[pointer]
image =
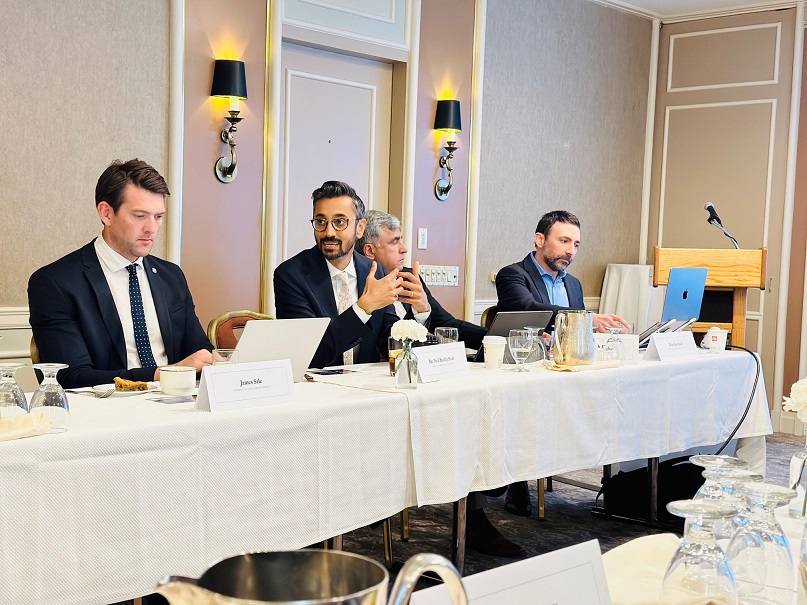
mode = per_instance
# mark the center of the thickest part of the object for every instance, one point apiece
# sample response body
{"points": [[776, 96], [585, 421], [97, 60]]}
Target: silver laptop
{"points": [[293, 339], [682, 302]]}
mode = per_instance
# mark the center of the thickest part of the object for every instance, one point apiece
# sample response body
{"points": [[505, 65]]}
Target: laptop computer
{"points": [[504, 321], [293, 339], [682, 302]]}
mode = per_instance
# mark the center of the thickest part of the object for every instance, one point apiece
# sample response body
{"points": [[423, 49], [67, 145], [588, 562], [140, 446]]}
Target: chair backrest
{"points": [[488, 315], [34, 351], [224, 330]]}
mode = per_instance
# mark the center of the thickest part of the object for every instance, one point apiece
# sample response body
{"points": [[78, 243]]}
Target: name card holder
{"points": [[238, 386], [441, 362], [671, 346], [569, 576]]}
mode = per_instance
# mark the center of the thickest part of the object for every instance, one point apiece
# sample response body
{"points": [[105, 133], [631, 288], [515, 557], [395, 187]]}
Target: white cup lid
{"points": [[494, 339]]}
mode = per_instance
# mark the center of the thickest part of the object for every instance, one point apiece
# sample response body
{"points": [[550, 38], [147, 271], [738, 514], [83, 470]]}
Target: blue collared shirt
{"points": [[555, 287]]}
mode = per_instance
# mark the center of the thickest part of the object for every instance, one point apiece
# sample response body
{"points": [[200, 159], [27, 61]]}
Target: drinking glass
{"points": [[12, 398], [520, 344], [395, 347], [446, 335], [759, 552], [224, 356], [49, 397], [699, 571], [801, 589], [538, 352], [614, 348], [723, 484]]}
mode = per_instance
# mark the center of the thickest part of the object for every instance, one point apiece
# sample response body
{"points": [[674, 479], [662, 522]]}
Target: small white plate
{"points": [[99, 389]]}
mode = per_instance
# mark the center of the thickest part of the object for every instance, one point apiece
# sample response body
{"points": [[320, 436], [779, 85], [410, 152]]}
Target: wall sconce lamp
{"points": [[447, 119], [229, 80]]}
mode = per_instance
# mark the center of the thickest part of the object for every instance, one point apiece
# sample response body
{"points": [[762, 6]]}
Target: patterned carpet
{"points": [[568, 519]]}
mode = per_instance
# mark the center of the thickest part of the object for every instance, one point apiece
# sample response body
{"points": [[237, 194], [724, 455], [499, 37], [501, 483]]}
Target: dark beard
{"points": [[340, 253], [559, 263]]}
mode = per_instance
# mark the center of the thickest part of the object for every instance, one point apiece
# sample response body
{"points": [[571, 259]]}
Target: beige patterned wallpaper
{"points": [[81, 83], [563, 127]]}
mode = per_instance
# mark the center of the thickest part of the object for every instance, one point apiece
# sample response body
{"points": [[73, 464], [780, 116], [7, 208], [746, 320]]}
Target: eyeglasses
{"points": [[321, 224]]}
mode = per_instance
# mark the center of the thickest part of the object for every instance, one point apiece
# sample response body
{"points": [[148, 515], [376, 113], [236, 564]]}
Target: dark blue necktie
{"points": [[141, 333]]}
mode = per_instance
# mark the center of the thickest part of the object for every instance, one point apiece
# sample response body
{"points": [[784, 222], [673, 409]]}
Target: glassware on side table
{"points": [[12, 398], [699, 571], [49, 398], [713, 461], [520, 344], [759, 552], [723, 484]]}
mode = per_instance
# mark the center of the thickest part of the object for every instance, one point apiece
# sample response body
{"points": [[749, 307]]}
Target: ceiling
{"points": [[679, 9]]}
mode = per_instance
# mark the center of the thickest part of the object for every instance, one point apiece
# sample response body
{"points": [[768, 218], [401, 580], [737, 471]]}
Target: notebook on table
{"points": [[682, 302], [293, 339]]}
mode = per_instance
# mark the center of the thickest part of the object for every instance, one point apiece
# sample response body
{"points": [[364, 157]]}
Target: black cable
{"points": [[750, 399]]}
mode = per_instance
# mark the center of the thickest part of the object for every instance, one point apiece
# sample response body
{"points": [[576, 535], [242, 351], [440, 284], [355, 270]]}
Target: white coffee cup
{"points": [[494, 351], [715, 339], [177, 380]]}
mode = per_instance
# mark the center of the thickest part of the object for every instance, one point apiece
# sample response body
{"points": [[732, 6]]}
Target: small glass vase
{"points": [[406, 367], [798, 481]]}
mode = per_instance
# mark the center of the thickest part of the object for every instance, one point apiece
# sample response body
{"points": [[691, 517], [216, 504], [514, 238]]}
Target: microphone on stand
{"points": [[715, 220]]}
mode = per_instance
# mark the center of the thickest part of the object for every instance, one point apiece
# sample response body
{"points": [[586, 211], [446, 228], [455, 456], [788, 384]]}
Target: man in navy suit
{"points": [[332, 280], [109, 309], [540, 283], [382, 242]]}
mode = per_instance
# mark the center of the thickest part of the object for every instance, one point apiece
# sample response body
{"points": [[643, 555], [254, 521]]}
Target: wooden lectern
{"points": [[734, 270]]}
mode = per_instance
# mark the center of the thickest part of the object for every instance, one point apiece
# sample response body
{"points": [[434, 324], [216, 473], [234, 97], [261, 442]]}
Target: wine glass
{"points": [[713, 461], [699, 571], [759, 552], [723, 484], [538, 352], [614, 348], [12, 398], [520, 344], [49, 397]]}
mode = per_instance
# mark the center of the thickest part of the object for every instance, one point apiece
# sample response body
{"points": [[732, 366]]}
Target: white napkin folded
{"points": [[635, 570], [23, 425]]}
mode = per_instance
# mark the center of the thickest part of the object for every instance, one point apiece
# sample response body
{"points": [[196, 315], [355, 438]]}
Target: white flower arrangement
{"points": [[797, 402], [408, 329]]}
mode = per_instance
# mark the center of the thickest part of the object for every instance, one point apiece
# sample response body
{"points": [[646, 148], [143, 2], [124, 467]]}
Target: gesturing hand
{"points": [[413, 292], [378, 293]]}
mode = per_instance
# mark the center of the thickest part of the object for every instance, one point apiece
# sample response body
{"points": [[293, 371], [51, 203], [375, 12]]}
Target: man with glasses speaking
{"points": [[332, 280]]}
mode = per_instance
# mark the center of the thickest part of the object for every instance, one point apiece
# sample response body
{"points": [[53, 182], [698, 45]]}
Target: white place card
{"points": [[669, 346], [238, 386], [569, 576], [441, 362]]}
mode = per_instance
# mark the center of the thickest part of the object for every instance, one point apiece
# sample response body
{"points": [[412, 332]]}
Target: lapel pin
{"points": [[154, 269]]}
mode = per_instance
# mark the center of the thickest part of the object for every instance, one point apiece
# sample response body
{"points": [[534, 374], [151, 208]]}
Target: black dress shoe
{"points": [[517, 501], [481, 536]]}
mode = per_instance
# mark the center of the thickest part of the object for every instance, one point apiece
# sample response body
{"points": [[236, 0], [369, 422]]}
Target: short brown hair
{"points": [[556, 216], [118, 174]]}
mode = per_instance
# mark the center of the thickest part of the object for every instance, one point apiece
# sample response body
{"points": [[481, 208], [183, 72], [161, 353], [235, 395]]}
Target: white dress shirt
{"points": [[117, 276]]}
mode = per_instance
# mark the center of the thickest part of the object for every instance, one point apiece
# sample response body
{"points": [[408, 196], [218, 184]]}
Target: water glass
{"points": [[49, 397], [12, 397], [447, 335], [224, 356], [759, 552], [699, 571], [539, 349], [520, 344]]}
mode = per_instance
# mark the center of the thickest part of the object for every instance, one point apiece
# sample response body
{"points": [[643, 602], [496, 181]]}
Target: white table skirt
{"points": [[135, 490]]}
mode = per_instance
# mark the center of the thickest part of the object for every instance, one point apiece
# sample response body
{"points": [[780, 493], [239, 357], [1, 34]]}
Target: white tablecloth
{"points": [[135, 490], [627, 291]]}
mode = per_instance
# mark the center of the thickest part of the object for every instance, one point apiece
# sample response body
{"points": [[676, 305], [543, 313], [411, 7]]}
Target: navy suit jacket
{"points": [[303, 288], [470, 334], [75, 321], [520, 287]]}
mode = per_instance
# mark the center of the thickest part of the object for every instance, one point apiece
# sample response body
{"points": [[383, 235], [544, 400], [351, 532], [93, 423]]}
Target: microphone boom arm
{"points": [[726, 233]]}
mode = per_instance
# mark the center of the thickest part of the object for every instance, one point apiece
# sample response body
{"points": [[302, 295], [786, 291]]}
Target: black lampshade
{"points": [[448, 115], [229, 79]]}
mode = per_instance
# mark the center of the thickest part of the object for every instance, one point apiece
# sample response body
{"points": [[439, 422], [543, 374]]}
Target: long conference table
{"points": [[137, 489]]}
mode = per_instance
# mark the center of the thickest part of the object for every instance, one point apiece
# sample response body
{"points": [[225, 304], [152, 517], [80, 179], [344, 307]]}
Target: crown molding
{"points": [[750, 7]]}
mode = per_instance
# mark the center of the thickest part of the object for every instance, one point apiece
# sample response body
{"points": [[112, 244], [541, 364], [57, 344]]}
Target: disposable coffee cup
{"points": [[494, 351], [715, 339], [177, 380]]}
